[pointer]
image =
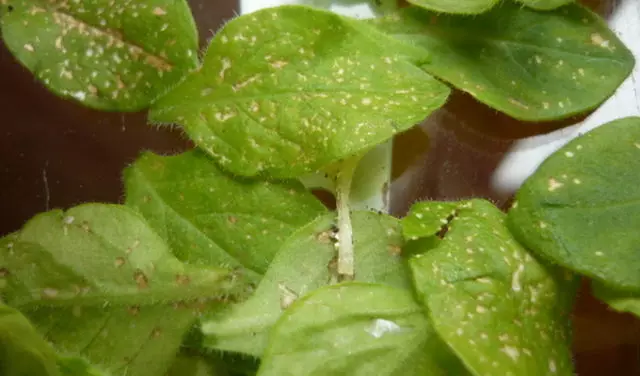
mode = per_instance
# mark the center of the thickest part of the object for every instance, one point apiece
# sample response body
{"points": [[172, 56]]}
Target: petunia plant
{"points": [[220, 261]]}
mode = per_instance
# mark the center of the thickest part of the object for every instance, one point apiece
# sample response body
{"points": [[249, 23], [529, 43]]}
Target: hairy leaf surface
{"points": [[288, 90]]}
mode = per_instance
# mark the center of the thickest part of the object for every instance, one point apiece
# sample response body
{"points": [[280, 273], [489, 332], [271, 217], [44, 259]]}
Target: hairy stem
{"points": [[344, 177]]}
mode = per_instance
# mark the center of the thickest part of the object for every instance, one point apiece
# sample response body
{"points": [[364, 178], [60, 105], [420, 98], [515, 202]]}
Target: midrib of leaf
{"points": [[60, 17], [233, 98], [151, 188]]}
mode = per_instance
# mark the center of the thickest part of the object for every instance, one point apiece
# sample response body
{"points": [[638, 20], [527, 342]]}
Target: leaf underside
{"points": [[619, 300], [22, 351], [115, 55], [530, 65], [500, 310], [288, 90], [211, 218], [581, 208], [458, 7], [100, 285]]}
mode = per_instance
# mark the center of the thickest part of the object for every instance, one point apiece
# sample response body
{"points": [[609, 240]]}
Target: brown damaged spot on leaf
{"points": [[134, 310], [119, 262], [182, 279], [141, 279]]}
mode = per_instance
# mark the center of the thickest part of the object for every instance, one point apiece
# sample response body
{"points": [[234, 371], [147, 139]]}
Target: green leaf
{"points": [[456, 6], [500, 310], [306, 262], [209, 217], [188, 365], [73, 366], [357, 329], [22, 351], [530, 65], [116, 55], [104, 287], [288, 90], [581, 208], [621, 301], [545, 4]]}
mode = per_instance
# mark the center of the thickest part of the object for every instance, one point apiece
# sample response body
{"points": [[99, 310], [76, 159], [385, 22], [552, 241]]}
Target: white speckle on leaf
{"points": [[222, 117], [481, 309], [157, 11], [459, 331], [577, 181], [554, 184], [287, 296], [29, 47], [599, 41], [279, 64], [511, 352], [366, 101], [598, 253], [515, 278], [569, 154], [79, 95], [380, 327], [226, 64], [552, 366], [49, 292]]}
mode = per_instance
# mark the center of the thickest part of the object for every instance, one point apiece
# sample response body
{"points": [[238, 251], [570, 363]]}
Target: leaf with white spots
{"points": [[500, 310], [22, 351], [357, 329], [100, 285], [581, 208], [306, 262], [116, 55], [530, 65], [457, 6], [426, 219], [289, 90], [208, 217], [621, 301]]}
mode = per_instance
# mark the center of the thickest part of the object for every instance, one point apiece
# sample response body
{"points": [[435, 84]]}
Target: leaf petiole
{"points": [[344, 178]]}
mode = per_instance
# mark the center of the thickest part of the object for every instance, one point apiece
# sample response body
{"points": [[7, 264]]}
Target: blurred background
{"points": [[55, 154]]}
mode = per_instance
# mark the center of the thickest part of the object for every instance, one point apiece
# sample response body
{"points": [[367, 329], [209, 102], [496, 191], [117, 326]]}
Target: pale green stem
{"points": [[344, 177]]}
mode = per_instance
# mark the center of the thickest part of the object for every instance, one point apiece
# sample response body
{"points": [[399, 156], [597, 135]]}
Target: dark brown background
{"points": [[54, 154]]}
